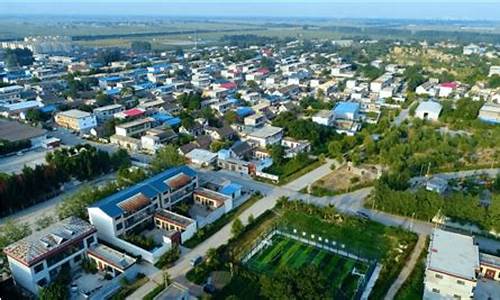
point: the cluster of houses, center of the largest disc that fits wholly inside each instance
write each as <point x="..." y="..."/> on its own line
<point x="149" y="210"/>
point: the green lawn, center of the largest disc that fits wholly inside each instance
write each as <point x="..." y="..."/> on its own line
<point x="285" y="252"/>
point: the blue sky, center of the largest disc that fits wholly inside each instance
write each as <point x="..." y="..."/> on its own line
<point x="423" y="9"/>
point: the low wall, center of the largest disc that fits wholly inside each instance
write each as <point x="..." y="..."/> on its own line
<point x="149" y="256"/>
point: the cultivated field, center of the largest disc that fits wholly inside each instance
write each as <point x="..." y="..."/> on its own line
<point x="285" y="252"/>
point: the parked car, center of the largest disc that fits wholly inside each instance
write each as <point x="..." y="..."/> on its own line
<point x="196" y="261"/>
<point x="363" y="215"/>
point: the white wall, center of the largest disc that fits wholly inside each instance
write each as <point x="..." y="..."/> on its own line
<point x="447" y="286"/>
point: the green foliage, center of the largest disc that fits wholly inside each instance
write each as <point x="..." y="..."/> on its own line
<point x="237" y="227"/>
<point x="140" y="46"/>
<point x="301" y="129"/>
<point x="288" y="166"/>
<point x="58" y="289"/>
<point x="289" y="283"/>
<point x="462" y="207"/>
<point x="277" y="154"/>
<point x="494" y="81"/>
<point x="147" y="243"/>
<point x="103" y="99"/>
<point x="191" y="101"/>
<point x="9" y="147"/>
<point x="11" y="232"/>
<point x="166" y="158"/>
<point x="108" y="56"/>
<point x="167" y="259"/>
<point x="76" y="204"/>
<point x="314" y="103"/>
<point x="32" y="186"/>
<point x="18" y="57"/>
<point x="461" y="113"/>
<point x="154" y="292"/>
<point x="370" y="72"/>
<point x="85" y="161"/>
<point x="413" y="77"/>
<point x="36" y="116"/>
<point x="44" y="222"/>
<point x="231" y="117"/>
<point x="89" y="266"/>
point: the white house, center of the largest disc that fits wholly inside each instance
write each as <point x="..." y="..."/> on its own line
<point x="452" y="266"/>
<point x="323" y="117"/>
<point x="36" y="260"/>
<point x="428" y="110"/>
<point x="267" y="135"/>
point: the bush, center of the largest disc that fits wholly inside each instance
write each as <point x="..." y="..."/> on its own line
<point x="168" y="258"/>
<point x="146" y="243"/>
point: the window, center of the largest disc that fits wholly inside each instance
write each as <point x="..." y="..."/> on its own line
<point x="460" y="282"/>
<point x="42" y="282"/>
<point x="90" y="240"/>
<point x="456" y="297"/>
<point x="77" y="258"/>
<point x="435" y="291"/>
<point x="119" y="226"/>
<point x="439" y="276"/>
<point x="38" y="268"/>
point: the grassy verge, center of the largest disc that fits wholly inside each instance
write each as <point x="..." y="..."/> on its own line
<point x="413" y="288"/>
<point x="314" y="165"/>
<point x="206" y="232"/>
<point x="129" y="287"/>
<point x="154" y="292"/>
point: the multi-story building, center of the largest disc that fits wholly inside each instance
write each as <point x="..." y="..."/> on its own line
<point x="135" y="128"/>
<point x="36" y="260"/>
<point x="267" y="135"/>
<point x="75" y="119"/>
<point x="452" y="266"/>
<point x="105" y="113"/>
<point x="132" y="209"/>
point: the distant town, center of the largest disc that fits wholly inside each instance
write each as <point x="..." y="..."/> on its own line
<point x="249" y="166"/>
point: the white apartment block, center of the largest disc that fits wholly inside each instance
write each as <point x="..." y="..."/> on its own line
<point x="452" y="266"/>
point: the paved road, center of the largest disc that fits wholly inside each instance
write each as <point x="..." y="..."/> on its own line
<point x="16" y="163"/>
<point x="403" y="115"/>
<point x="48" y="208"/>
<point x="408" y="268"/>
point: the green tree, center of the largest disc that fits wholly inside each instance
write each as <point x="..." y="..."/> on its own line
<point x="231" y="117"/>
<point x="277" y="154"/>
<point x="237" y="227"/>
<point x="166" y="158"/>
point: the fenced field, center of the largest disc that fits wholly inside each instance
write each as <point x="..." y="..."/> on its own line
<point x="345" y="274"/>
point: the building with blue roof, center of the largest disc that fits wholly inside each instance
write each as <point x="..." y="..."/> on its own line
<point x="244" y="111"/>
<point x="167" y="119"/>
<point x="132" y="209"/>
<point x="347" y="110"/>
<point x="233" y="190"/>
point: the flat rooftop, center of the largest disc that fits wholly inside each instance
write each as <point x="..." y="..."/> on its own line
<point x="266" y="131"/>
<point x="111" y="256"/>
<point x="13" y="131"/>
<point x="453" y="254"/>
<point x="136" y="123"/>
<point x="171" y="217"/>
<point x="75" y="113"/>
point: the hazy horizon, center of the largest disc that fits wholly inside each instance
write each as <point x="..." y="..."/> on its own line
<point x="425" y="10"/>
